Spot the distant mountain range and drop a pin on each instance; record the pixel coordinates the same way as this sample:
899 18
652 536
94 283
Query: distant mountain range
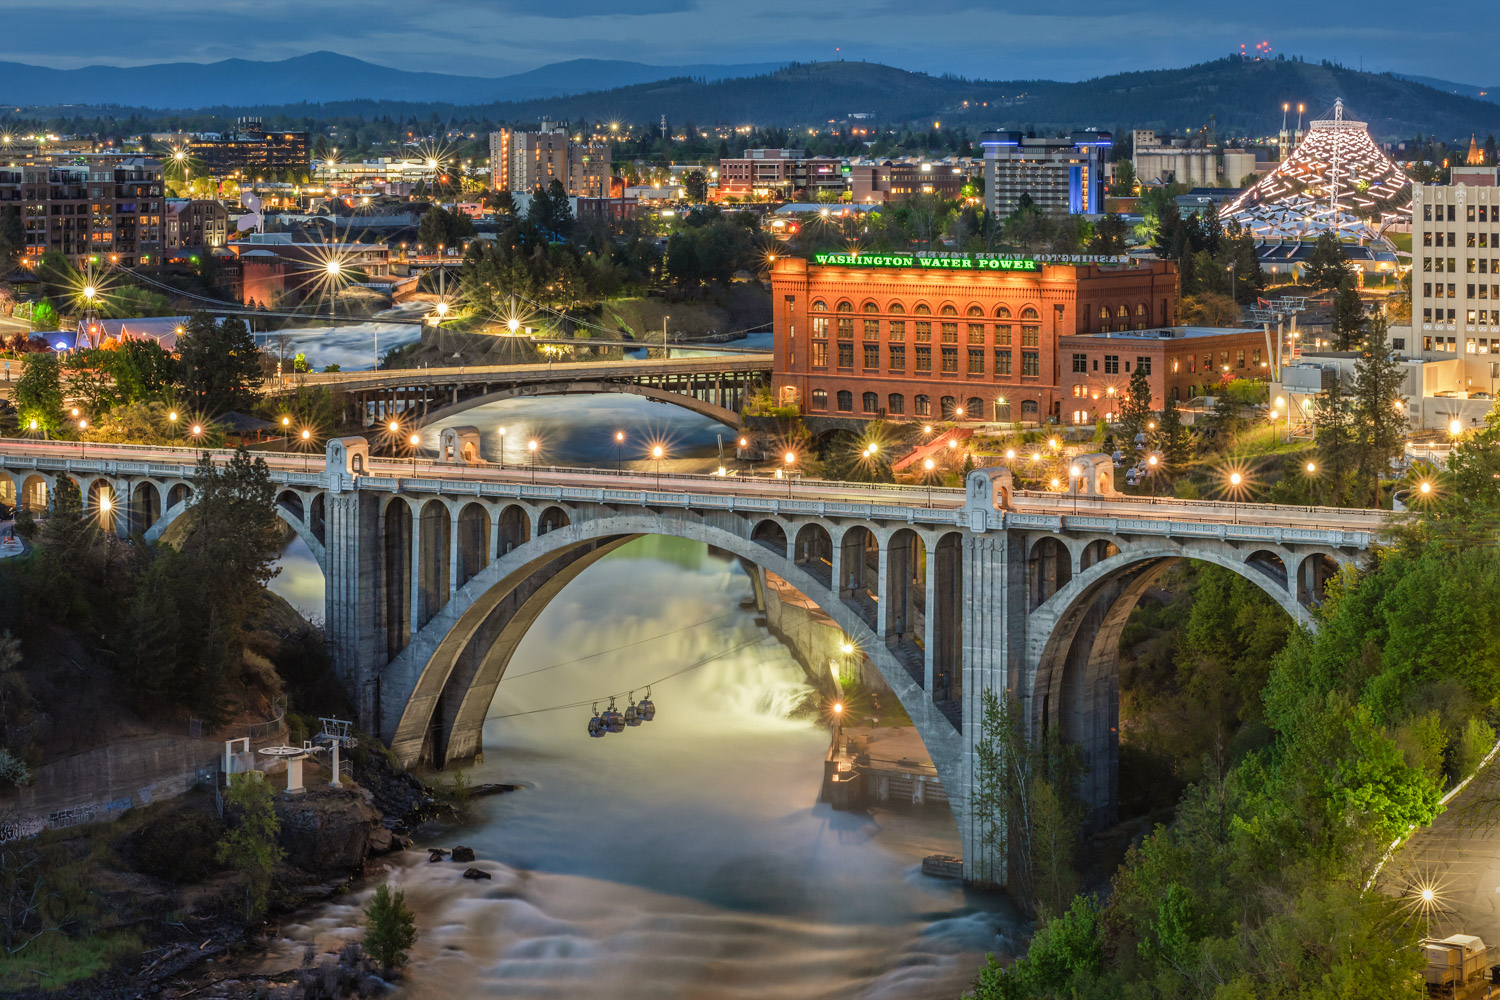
324 76
1243 97
1491 94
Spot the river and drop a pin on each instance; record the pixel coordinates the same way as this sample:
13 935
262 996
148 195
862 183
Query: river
687 858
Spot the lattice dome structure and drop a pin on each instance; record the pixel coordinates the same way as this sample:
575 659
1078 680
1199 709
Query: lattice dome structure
1336 179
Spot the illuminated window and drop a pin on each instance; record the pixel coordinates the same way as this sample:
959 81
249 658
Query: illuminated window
922 406
819 399
922 309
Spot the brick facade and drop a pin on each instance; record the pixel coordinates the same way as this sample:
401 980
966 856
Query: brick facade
918 343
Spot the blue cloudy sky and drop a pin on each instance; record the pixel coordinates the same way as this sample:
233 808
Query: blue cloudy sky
995 39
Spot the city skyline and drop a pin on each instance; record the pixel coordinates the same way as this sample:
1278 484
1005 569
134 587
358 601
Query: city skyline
500 37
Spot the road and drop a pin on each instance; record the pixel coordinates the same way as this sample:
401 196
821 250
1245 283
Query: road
1458 857
762 487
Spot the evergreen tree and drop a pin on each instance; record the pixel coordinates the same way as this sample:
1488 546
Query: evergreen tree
1135 405
1326 266
1349 320
220 365
391 928
1334 439
1379 429
1176 439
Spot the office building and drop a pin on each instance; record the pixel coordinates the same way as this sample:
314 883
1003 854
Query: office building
913 337
882 182
520 162
1179 363
780 175
249 149
1061 176
1456 275
99 206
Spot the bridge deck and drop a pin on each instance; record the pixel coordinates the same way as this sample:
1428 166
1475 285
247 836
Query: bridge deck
557 372
1039 510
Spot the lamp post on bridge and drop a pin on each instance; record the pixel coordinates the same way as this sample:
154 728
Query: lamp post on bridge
531 447
619 451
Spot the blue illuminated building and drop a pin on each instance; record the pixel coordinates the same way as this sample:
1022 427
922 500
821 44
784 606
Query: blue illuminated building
1063 175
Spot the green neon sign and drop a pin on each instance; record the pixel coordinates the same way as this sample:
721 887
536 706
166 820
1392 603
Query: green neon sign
938 262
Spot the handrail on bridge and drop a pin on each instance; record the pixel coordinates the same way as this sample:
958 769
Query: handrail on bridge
800 491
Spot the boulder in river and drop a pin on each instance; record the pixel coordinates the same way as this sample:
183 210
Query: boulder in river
463 854
476 874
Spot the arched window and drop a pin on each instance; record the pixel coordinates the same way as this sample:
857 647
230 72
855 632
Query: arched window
1030 313
949 407
1029 409
1124 312
871 307
1104 312
1002 312
974 409
922 309
948 311
922 406
819 306
871 402
820 399
845 307
897 309
976 312
846 401
1140 309
896 404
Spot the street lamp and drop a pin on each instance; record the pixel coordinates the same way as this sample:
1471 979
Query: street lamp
619 451
1235 479
838 725
791 459
1075 482
306 447
927 466
502 448
531 447
657 452
414 441
1151 463
1455 427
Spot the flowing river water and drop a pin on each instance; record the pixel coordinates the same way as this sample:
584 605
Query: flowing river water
686 858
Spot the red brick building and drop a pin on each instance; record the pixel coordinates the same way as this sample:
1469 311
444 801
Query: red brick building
1179 362
911 338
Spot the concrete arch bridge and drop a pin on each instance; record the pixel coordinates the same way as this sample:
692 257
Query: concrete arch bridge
432 579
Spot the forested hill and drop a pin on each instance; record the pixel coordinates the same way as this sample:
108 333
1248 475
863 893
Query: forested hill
1245 96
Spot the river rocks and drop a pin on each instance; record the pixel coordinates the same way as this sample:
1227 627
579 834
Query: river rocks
327 830
476 874
436 854
463 854
381 840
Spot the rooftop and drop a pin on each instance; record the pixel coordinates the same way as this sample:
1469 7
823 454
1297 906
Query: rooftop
1171 333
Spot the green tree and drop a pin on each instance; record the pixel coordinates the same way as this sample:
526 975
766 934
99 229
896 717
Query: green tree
1334 438
220 365
695 186
12 239
44 318
1122 185
39 396
1326 266
1109 235
1473 494
390 928
1135 405
1379 423
1350 324
250 847
1176 438
440 227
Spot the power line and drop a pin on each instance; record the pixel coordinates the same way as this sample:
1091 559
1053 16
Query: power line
676 673
615 649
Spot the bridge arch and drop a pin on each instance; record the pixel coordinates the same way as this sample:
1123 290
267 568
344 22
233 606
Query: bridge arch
713 411
771 534
814 552
513 528
1073 643
445 678
163 526
145 505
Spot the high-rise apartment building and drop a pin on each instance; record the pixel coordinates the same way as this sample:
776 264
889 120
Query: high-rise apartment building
250 149
1062 176
1456 273
523 161
89 206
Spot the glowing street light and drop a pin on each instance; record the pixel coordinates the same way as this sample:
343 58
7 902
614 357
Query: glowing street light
790 459
501 431
1235 479
927 466
1455 427
415 440
531 447
658 452
619 451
